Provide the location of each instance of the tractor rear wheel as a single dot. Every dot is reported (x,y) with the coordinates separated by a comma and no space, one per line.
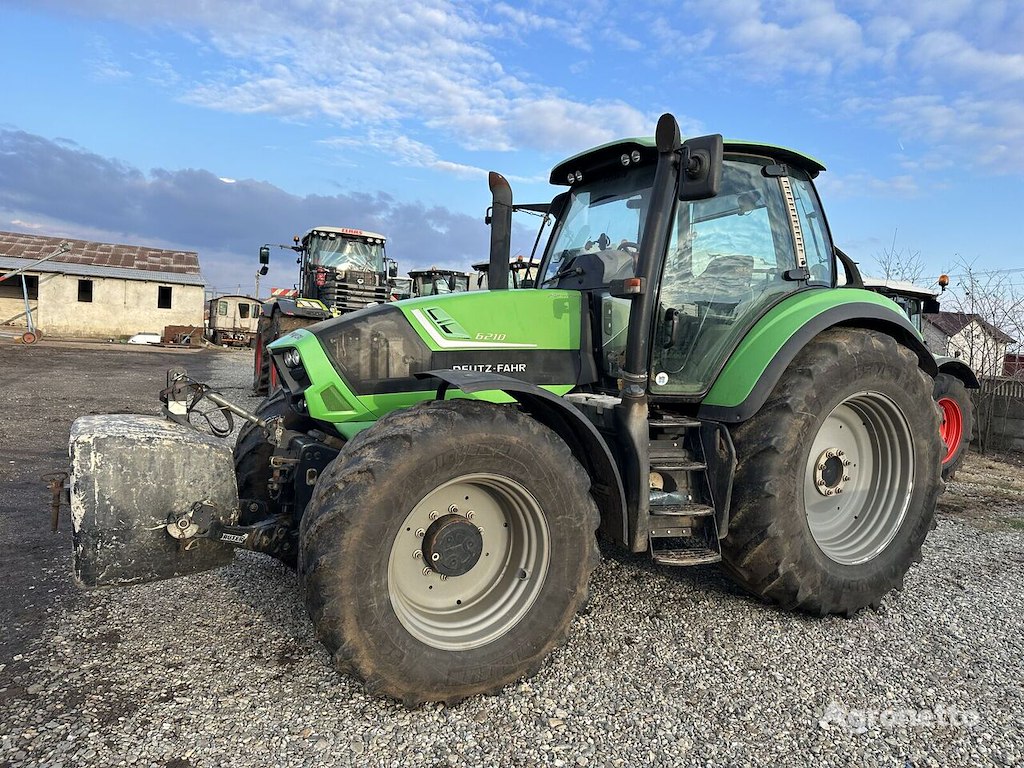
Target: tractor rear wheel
(955,429)
(837,477)
(447,549)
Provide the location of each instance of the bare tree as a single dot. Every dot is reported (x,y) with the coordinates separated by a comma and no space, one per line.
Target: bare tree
(993,308)
(900,264)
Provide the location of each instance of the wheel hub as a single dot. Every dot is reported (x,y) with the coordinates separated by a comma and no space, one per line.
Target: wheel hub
(452,545)
(831,472)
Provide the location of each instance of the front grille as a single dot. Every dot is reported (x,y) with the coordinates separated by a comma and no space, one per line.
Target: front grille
(344,292)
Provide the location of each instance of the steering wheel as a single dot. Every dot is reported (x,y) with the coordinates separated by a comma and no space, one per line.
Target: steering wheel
(629,247)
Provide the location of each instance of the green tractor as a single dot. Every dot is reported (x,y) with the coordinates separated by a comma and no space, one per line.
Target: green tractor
(686,379)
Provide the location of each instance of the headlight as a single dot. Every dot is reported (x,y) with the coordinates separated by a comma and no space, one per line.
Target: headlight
(292,358)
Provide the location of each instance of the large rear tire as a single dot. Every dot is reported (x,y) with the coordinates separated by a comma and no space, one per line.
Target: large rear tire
(837,477)
(957,421)
(480,493)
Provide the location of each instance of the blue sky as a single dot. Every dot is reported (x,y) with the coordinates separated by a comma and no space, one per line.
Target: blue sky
(218,126)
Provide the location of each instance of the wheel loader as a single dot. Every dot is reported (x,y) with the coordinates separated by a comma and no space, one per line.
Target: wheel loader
(684,380)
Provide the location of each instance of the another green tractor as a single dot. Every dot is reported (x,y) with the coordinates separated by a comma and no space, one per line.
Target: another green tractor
(685,380)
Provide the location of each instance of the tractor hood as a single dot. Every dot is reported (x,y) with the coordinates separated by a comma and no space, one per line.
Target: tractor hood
(362,364)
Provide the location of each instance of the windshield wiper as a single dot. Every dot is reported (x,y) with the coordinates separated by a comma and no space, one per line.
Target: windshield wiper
(565,271)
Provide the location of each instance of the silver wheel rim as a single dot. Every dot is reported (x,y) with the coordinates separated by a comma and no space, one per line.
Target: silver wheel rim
(859,478)
(481,605)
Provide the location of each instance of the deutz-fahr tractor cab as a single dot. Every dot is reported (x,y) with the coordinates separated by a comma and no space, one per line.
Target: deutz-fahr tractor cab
(685,379)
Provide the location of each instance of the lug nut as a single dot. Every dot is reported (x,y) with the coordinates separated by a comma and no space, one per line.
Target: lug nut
(453,509)
(426,570)
(443,577)
(470,515)
(420,532)
(417,554)
(830,454)
(846,478)
(846,463)
(840,453)
(480,528)
(821,467)
(433,514)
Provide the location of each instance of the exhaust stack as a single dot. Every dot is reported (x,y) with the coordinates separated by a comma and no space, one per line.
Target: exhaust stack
(500,219)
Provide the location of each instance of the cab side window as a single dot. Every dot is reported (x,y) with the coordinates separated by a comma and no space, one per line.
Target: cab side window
(817,244)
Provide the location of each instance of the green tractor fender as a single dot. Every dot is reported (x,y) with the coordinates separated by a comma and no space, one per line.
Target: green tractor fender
(564,419)
(958,369)
(758,362)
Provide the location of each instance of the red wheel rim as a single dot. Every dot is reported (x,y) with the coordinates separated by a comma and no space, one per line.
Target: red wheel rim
(28,337)
(951,430)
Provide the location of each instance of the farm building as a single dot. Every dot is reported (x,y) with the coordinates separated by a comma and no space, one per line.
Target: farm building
(968,336)
(97,290)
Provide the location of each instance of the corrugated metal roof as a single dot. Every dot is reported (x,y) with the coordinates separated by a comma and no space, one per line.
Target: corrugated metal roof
(8,264)
(86,253)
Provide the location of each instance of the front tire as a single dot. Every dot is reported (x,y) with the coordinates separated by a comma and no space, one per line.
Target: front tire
(479,493)
(837,477)
(957,421)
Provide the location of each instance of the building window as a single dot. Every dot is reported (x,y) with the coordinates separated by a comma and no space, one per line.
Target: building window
(163,297)
(243,311)
(11,288)
(222,308)
(85,290)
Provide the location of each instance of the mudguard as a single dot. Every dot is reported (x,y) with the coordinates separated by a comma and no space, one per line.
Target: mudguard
(569,423)
(297,307)
(958,369)
(129,473)
(759,361)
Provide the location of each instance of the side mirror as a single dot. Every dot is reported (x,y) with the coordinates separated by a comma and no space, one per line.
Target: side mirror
(392,269)
(701,172)
(264,255)
(930,306)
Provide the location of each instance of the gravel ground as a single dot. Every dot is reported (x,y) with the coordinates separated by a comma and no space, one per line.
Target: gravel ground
(665,666)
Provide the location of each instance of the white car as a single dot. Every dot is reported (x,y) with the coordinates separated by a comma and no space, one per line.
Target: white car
(145,338)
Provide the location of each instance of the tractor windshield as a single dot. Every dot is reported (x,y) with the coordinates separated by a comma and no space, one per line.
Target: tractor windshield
(596,240)
(343,253)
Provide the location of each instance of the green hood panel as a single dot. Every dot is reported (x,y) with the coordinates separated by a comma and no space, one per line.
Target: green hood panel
(779,335)
(363,365)
(477,320)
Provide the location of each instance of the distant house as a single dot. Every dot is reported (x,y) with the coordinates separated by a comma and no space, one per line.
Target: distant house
(101,290)
(958,334)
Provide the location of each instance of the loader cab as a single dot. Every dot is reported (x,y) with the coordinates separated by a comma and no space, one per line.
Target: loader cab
(347,269)
(729,257)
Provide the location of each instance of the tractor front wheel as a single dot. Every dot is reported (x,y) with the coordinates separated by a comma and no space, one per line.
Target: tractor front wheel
(955,428)
(447,549)
(837,477)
